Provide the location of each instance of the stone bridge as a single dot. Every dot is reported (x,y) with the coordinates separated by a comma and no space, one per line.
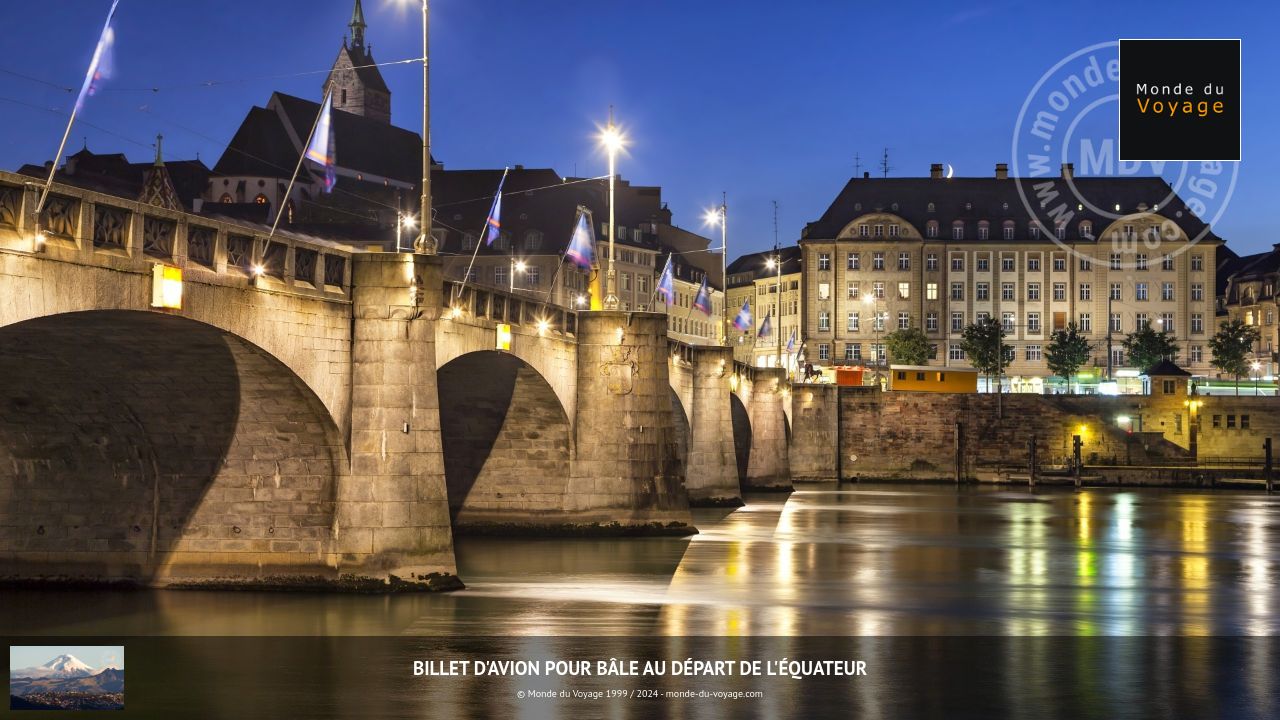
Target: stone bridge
(316,414)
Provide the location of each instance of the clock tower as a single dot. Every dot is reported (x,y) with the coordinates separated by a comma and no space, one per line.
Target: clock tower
(358,87)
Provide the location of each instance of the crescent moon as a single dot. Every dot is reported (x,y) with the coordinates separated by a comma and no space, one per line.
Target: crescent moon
(950,171)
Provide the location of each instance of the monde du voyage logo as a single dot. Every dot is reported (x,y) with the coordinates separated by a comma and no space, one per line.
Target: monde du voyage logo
(1180,100)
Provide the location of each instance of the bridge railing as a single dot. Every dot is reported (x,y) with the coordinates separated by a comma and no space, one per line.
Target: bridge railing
(487,303)
(93,228)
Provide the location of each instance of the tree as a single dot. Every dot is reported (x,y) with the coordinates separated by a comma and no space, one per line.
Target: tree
(1231,346)
(1066,352)
(1147,347)
(983,344)
(907,347)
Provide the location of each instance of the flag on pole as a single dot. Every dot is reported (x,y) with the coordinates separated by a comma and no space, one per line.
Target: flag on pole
(743,321)
(791,341)
(320,149)
(582,247)
(100,65)
(702,300)
(766,327)
(493,225)
(666,284)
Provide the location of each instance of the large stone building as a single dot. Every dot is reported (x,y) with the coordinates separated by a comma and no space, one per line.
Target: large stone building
(753,279)
(940,253)
(685,322)
(1249,294)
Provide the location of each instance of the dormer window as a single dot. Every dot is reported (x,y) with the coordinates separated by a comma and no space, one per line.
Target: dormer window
(931,227)
(1007,229)
(1086,229)
(984,230)
(931,207)
(957,230)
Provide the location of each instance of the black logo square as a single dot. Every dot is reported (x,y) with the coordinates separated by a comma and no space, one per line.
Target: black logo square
(1180,100)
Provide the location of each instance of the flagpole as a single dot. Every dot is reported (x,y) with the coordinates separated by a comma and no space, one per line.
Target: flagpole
(301,156)
(467,275)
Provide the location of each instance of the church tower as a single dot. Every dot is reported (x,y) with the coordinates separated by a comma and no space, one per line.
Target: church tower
(357,84)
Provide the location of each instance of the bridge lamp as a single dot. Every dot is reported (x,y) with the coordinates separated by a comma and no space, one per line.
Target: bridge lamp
(580,301)
(410,222)
(166,287)
(39,239)
(258,270)
(613,141)
(503,341)
(543,326)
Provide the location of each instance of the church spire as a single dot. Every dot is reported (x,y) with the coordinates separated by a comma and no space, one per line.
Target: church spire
(357,26)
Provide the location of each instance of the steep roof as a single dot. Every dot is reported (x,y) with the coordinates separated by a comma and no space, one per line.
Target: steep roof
(1165,368)
(113,174)
(972,199)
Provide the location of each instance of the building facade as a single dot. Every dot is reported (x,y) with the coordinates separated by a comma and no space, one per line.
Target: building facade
(754,280)
(941,253)
(1249,295)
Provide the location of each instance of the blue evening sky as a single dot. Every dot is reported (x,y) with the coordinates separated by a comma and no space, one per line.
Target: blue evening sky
(95,656)
(763,100)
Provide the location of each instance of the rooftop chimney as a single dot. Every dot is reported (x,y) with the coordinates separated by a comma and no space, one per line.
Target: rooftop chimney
(1068,170)
(866,174)
(1002,171)
(935,171)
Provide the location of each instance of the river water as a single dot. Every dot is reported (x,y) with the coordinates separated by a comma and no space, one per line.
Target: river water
(906,563)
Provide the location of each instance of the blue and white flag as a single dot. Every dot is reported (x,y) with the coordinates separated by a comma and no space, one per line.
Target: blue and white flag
(666,284)
(100,65)
(743,321)
(493,225)
(582,247)
(320,149)
(791,341)
(766,327)
(702,301)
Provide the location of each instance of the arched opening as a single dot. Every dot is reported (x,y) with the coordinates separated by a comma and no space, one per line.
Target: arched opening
(506,441)
(135,445)
(680,429)
(741,435)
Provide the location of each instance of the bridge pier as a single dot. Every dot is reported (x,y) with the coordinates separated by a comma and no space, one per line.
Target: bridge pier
(391,522)
(768,467)
(625,474)
(711,473)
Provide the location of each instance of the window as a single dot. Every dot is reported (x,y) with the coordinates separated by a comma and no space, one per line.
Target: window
(1166,262)
(877,352)
(1244,422)
(984,264)
(852,322)
(1197,354)
(904,260)
(1086,264)
(642,284)
(1197,292)
(1166,291)
(984,230)
(824,351)
(984,291)
(1086,322)
(957,263)
(1059,264)
(1116,290)
(1033,231)
(931,229)
(957,322)
(1059,291)
(853,351)
(1117,357)
(1007,231)
(1006,264)
(824,320)
(931,321)
(534,275)
(1169,386)
(957,291)
(904,291)
(1033,291)
(1115,261)
(931,291)
(1086,229)
(1033,322)
(853,288)
(1141,320)
(626,282)
(877,288)
(1033,264)
(261,199)
(864,231)
(824,261)
(1033,353)
(1008,320)
(877,261)
(1197,263)
(904,320)
(1217,421)
(955,352)
(879,231)
(878,321)
(500,275)
(1115,323)
(824,291)
(1006,291)
(1166,323)
(957,230)
(1086,291)
(983,318)
(1061,230)
(1142,261)
(931,262)
(893,230)
(853,261)
(1231,421)
(1140,291)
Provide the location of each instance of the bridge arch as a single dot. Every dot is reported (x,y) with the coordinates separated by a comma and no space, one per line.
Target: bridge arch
(150,447)
(741,436)
(507,440)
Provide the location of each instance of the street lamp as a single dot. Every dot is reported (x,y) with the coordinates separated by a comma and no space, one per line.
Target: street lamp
(517,266)
(407,222)
(1257,367)
(775,263)
(870,299)
(720,216)
(422,244)
(613,140)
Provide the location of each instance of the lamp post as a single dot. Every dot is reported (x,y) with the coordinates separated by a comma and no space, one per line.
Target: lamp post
(516,266)
(870,299)
(1257,368)
(720,216)
(611,138)
(775,263)
(406,222)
